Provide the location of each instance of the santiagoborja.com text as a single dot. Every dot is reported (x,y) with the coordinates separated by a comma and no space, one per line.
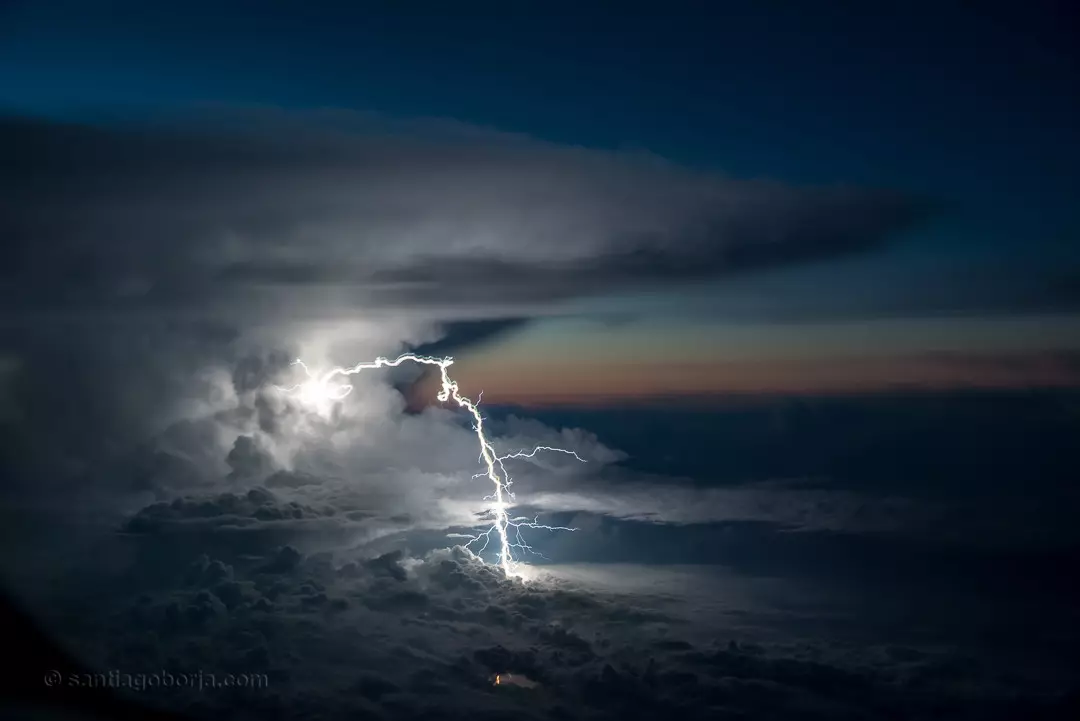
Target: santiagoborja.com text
(116,679)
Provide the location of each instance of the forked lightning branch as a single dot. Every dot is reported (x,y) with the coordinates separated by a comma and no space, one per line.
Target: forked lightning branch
(322,388)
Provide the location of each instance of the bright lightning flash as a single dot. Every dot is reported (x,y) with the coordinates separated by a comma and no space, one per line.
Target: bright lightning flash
(321,391)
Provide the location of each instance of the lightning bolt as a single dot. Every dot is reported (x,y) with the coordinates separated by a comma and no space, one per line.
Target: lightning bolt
(321,388)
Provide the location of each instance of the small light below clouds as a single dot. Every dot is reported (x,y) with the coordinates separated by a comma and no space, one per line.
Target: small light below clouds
(513,679)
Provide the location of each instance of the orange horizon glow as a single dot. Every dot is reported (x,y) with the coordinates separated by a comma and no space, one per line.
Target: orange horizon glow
(565,383)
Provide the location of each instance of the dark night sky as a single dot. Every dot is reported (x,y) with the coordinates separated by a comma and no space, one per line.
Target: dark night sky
(801,282)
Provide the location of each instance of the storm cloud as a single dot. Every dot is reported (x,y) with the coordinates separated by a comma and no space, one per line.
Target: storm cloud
(160,274)
(284,215)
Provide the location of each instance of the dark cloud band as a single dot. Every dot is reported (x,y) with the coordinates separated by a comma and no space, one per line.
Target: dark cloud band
(273,211)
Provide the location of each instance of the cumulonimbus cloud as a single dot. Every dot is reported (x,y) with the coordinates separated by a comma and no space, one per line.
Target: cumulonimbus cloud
(225,230)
